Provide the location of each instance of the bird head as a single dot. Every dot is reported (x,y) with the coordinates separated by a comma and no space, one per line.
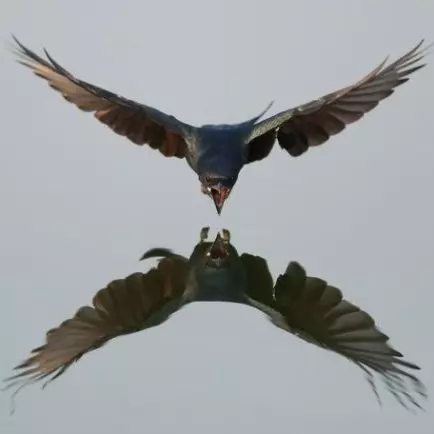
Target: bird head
(223,153)
(218,252)
(218,188)
(215,255)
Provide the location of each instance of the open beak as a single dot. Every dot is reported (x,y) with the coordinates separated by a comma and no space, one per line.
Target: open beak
(219,195)
(218,250)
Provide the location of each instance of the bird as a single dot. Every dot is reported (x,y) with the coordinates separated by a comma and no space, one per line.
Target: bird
(307,307)
(218,152)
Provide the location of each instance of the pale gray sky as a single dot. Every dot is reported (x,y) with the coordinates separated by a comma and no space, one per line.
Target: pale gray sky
(81,204)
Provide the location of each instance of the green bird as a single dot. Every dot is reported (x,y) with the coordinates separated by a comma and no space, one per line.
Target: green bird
(307,307)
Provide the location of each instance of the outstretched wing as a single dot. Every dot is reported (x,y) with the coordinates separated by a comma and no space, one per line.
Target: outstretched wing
(139,123)
(314,123)
(259,280)
(124,306)
(317,313)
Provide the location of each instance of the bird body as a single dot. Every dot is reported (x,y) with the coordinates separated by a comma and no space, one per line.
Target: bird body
(219,285)
(307,307)
(219,150)
(210,281)
(217,153)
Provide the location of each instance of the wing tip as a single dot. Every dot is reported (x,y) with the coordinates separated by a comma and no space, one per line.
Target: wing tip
(15,46)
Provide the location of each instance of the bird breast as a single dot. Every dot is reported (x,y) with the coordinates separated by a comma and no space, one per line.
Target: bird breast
(219,285)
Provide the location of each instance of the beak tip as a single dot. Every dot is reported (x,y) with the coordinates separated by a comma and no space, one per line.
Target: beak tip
(218,206)
(219,195)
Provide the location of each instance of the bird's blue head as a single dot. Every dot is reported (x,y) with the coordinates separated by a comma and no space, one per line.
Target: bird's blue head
(217,187)
(219,254)
(223,153)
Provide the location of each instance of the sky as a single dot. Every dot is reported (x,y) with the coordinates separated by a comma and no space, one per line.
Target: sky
(79,205)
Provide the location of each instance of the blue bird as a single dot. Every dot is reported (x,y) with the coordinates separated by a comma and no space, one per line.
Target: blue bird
(307,307)
(217,153)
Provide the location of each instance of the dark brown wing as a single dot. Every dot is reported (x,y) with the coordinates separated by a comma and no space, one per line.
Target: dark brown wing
(124,306)
(139,123)
(259,280)
(259,288)
(312,124)
(317,313)
(260,147)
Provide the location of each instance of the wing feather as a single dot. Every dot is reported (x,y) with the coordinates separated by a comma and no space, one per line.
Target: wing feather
(333,323)
(316,312)
(141,124)
(259,280)
(124,306)
(312,124)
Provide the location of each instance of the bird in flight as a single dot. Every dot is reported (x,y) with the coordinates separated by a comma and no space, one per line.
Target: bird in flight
(307,307)
(217,153)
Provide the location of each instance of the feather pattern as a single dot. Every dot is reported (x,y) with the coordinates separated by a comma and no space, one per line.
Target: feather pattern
(316,312)
(141,124)
(313,123)
(124,306)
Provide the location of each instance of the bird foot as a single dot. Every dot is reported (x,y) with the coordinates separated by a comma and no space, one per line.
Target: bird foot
(226,235)
(204,234)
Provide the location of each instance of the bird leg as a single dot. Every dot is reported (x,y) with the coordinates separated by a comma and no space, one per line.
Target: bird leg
(204,234)
(226,235)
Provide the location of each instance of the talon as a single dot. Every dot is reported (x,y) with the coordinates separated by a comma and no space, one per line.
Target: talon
(204,234)
(226,235)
